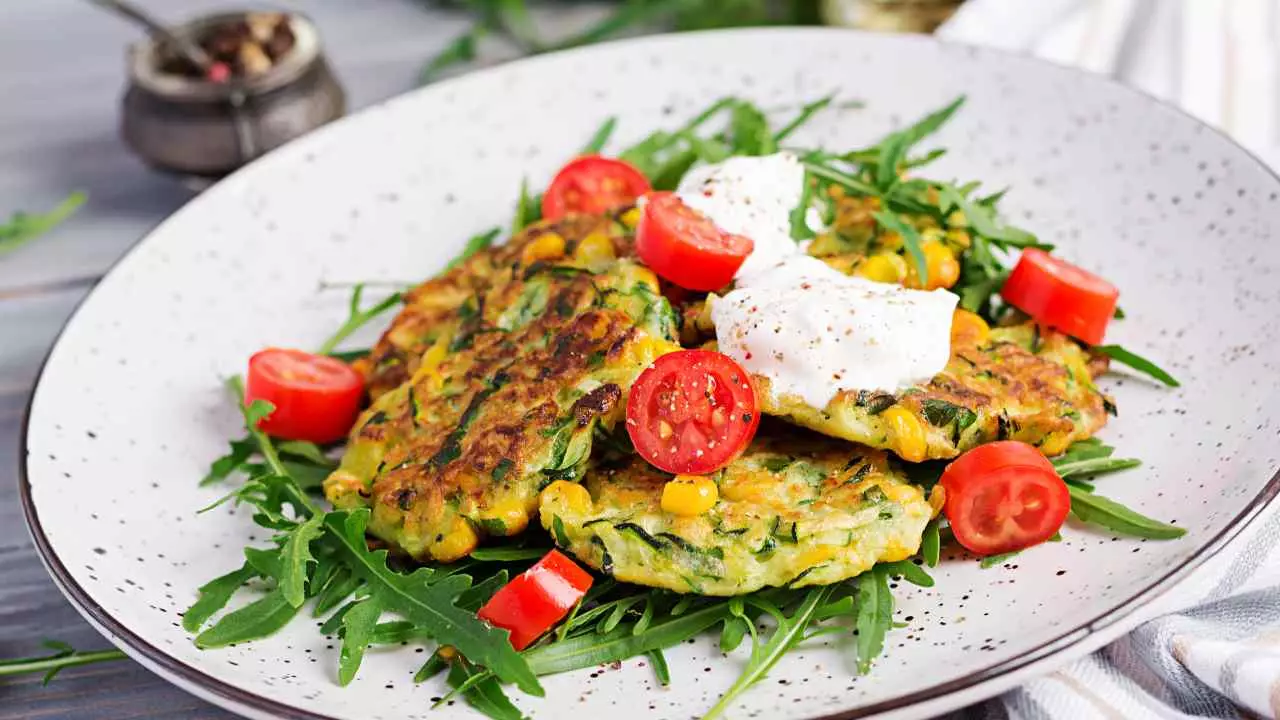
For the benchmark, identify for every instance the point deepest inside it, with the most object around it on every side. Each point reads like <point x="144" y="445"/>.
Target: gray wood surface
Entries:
<point x="61" y="76"/>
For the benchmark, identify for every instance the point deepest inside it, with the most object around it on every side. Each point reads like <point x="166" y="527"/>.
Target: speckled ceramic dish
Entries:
<point x="130" y="408"/>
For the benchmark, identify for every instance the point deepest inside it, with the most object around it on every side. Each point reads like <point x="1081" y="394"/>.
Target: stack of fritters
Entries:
<point x="507" y="373"/>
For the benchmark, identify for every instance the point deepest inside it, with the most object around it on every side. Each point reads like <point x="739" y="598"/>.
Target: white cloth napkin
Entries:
<point x="1216" y="654"/>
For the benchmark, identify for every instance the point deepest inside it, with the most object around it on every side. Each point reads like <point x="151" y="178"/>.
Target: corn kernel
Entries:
<point x="891" y="241"/>
<point x="884" y="267"/>
<point x="816" y="556"/>
<point x="689" y="495"/>
<point x="460" y="540"/>
<point x="1055" y="443"/>
<point x="941" y="263"/>
<point x="544" y="247"/>
<point x="571" y="495"/>
<point x="428" y="374"/>
<point x="631" y="218"/>
<point x="937" y="499"/>
<point x="906" y="433"/>
<point x="594" y="249"/>
<point x="340" y="485"/>
<point x="901" y="494"/>
<point x="968" y="328"/>
<point x="513" y="515"/>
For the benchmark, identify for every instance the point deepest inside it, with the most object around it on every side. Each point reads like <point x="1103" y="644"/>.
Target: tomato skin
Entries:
<point x="685" y="247"/>
<point x="1004" y="496"/>
<point x="592" y="185"/>
<point x="692" y="412"/>
<point x="316" y="398"/>
<point x="1060" y="295"/>
<point x="536" y="599"/>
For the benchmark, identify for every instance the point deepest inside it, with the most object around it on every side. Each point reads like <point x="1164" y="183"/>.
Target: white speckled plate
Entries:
<point x="130" y="410"/>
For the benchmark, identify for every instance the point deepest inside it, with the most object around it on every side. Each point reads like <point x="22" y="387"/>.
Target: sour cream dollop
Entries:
<point x="753" y="197"/>
<point x="813" y="331"/>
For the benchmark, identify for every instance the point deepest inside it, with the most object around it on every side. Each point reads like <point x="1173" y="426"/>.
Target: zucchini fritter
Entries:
<point x="1016" y="384"/>
<point x="796" y="509"/>
<point x="436" y="307"/>
<point x="507" y="394"/>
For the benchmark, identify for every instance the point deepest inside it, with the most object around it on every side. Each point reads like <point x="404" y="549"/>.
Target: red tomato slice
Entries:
<point x="1004" y="496"/>
<point x="316" y="397"/>
<point x="684" y="246"/>
<point x="692" y="412"/>
<point x="1061" y="295"/>
<point x="592" y="185"/>
<point x="536" y="599"/>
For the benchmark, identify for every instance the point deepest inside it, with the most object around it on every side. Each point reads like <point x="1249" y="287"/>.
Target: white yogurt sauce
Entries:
<point x="811" y="330"/>
<point x="814" y="331"/>
<point x="753" y="197"/>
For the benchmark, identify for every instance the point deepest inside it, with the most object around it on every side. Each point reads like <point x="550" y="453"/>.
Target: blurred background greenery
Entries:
<point x="511" y="21"/>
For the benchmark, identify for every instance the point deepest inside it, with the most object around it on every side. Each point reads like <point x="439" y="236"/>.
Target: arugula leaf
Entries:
<point x="800" y="229"/>
<point x="64" y="656"/>
<point x="974" y="296"/>
<point x="821" y="170"/>
<point x="1113" y="516"/>
<point x="358" y="623"/>
<point x="749" y="131"/>
<point x="660" y="669"/>
<point x="427" y="600"/>
<point x="305" y="451"/>
<point x="482" y="691"/>
<point x="475" y="244"/>
<point x="528" y="211"/>
<point x="507" y="554"/>
<point x="601" y="137"/>
<point x="931" y="543"/>
<point x="583" y="651"/>
<point x="1094" y="466"/>
<point x="982" y="220"/>
<point x="806" y="114"/>
<point x="910" y="238"/>
<point x="25" y="227"/>
<point x="214" y="595"/>
<point x="358" y="318"/>
<point x="221" y="469"/>
<point x="789" y="633"/>
<point x="991" y="561"/>
<point x="909" y="571"/>
<point x="1137" y="362"/>
<point x="296" y="559"/>
<point x="875" y="615"/>
<point x="258" y="619"/>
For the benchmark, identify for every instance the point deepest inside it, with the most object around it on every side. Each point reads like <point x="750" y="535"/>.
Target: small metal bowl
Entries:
<point x="204" y="130"/>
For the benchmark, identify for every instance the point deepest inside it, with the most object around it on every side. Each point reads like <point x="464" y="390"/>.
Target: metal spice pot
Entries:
<point x="193" y="126"/>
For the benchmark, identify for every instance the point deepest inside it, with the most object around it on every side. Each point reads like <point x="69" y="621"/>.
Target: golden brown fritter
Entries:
<point x="796" y="509"/>
<point x="435" y="308"/>
<point x="506" y="397"/>
<point x="1015" y="384"/>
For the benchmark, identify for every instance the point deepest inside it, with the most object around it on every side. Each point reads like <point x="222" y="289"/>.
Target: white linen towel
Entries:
<point x="1216" y="654"/>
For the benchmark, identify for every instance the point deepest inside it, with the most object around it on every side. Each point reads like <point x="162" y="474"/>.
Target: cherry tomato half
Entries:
<point x="536" y="599"/>
<point x="592" y="185"/>
<point x="692" y="412"/>
<point x="1004" y="496"/>
<point x="1061" y="295"/>
<point x="684" y="246"/>
<point x="316" y="397"/>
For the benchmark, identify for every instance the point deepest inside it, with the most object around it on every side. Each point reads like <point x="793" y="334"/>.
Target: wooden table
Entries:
<point x="61" y="76"/>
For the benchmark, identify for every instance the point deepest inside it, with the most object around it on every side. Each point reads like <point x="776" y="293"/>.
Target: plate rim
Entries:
<point x="236" y="699"/>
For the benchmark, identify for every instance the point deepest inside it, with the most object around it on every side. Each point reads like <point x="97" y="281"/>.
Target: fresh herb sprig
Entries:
<point x="63" y="656"/>
<point x="22" y="227"/>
